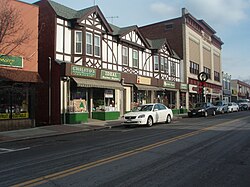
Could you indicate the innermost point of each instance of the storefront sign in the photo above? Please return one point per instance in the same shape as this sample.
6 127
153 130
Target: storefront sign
83 71
143 80
109 75
12 61
169 84
184 86
4 116
20 115
108 93
193 88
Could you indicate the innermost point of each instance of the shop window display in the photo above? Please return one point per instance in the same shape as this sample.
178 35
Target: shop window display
78 100
14 103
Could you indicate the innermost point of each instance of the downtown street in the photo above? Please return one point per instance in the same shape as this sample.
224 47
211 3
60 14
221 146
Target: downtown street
212 151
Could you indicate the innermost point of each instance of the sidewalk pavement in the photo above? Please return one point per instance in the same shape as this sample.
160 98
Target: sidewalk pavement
55 130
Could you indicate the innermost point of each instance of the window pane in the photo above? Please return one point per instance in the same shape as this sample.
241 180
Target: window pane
89 44
78 42
156 63
135 58
97 46
125 55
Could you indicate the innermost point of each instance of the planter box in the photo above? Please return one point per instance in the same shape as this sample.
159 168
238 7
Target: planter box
75 118
106 115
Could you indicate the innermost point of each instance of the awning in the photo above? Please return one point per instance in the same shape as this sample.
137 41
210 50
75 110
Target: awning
145 87
91 83
19 76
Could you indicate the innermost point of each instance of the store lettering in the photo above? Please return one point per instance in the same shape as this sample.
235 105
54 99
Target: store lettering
11 61
82 71
108 75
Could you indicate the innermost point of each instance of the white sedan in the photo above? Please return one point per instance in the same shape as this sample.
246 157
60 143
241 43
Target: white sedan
233 107
148 114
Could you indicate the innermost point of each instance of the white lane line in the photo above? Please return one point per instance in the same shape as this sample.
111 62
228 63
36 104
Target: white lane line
4 150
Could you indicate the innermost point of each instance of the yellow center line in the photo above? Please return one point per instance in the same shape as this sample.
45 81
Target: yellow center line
57 175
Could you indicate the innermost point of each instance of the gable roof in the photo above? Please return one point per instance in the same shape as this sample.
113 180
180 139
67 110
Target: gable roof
122 31
158 43
79 15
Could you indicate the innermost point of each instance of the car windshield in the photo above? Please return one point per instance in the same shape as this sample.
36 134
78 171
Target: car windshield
200 105
218 104
143 108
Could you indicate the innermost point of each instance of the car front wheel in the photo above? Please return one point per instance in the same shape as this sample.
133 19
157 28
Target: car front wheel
213 113
205 114
149 121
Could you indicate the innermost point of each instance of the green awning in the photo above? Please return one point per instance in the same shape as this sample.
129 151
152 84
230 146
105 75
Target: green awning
92 83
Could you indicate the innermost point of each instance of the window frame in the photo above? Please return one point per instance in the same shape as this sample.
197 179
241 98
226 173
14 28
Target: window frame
90 44
124 48
156 56
135 59
99 47
78 42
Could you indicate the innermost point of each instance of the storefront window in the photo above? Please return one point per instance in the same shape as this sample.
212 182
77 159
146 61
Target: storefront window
78 100
167 98
14 103
104 100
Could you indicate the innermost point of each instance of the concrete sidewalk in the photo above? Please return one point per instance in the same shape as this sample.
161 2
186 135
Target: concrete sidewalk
55 130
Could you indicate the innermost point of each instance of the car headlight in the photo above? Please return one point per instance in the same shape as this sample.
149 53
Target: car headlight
201 110
141 116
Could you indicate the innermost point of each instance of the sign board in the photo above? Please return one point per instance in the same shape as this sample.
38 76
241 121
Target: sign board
83 71
11 61
169 84
108 93
143 80
184 86
109 75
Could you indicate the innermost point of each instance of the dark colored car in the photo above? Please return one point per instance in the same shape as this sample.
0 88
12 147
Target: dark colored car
202 109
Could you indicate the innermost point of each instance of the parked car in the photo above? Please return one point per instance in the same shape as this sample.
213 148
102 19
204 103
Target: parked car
202 109
148 114
222 107
233 107
244 104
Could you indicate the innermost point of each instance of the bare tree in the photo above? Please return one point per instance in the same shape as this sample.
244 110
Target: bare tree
12 31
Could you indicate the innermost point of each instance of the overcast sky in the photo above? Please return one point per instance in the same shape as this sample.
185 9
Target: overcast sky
229 18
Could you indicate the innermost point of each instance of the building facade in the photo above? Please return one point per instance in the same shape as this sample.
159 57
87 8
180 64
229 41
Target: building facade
19 70
239 90
93 69
197 45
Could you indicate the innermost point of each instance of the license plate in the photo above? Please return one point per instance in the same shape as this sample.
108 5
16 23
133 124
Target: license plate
194 113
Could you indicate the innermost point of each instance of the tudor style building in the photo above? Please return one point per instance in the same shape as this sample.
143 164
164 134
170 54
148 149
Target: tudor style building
19 68
196 43
93 69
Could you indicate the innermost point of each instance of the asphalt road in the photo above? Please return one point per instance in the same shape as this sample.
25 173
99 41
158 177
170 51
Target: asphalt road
212 151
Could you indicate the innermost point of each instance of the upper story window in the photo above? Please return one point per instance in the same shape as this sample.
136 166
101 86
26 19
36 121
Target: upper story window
216 76
208 72
162 64
166 65
124 55
78 42
156 63
194 68
135 58
89 43
97 44
173 68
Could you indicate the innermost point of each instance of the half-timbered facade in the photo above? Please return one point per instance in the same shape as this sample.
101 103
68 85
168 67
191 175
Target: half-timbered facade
98 70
